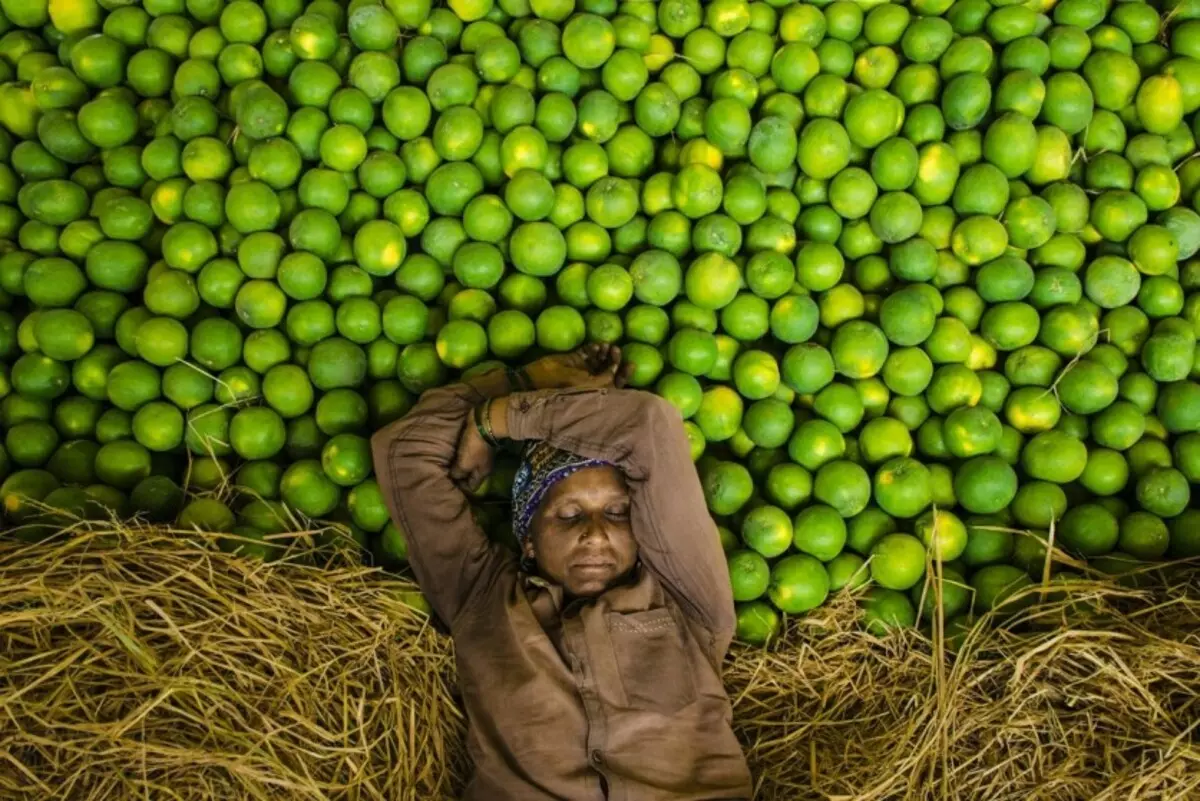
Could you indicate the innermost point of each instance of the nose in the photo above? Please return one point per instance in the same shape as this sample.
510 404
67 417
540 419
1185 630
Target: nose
596 531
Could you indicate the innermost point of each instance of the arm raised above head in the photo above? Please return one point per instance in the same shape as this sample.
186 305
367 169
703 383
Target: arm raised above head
413 457
643 436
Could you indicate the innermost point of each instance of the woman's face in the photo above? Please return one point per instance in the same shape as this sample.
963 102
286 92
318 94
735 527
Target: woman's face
580 537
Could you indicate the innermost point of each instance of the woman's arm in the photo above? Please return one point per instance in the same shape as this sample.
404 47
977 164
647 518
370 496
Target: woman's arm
642 435
413 458
424 460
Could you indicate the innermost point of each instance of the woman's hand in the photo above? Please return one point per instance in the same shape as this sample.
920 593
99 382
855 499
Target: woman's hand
472 458
594 366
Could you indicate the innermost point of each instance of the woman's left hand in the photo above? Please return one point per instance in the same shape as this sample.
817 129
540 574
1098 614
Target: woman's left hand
472 458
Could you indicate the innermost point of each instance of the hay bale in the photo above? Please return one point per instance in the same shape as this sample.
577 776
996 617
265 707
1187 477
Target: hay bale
143 663
1092 697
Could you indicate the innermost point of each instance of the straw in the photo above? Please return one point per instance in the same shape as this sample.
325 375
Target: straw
141 663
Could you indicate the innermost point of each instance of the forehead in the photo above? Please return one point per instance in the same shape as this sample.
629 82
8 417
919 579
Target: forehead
603 481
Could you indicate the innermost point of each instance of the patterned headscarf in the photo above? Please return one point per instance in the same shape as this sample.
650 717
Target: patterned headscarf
542 467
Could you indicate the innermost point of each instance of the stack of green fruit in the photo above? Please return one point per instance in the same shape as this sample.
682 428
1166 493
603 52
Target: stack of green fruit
918 275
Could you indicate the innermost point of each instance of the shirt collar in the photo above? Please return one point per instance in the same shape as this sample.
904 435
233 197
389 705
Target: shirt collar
636 595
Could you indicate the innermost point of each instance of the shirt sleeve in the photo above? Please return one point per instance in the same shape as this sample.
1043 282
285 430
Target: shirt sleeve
447 550
643 436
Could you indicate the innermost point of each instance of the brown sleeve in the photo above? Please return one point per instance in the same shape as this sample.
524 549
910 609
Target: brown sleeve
447 550
643 435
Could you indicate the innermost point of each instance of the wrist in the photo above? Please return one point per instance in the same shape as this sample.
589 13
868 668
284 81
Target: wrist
537 376
481 418
497 413
519 379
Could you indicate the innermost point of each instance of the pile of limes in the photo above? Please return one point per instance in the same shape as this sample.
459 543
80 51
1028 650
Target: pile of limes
918 275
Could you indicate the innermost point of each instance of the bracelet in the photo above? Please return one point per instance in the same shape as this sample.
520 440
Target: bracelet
483 422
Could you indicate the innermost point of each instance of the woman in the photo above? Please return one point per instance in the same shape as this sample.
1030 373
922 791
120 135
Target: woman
589 669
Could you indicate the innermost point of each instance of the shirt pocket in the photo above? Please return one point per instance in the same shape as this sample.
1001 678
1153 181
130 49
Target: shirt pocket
652 660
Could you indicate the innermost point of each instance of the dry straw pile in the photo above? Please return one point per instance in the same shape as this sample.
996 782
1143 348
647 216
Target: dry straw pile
142 664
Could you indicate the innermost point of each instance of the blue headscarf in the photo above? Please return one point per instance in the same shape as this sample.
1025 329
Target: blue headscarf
542 466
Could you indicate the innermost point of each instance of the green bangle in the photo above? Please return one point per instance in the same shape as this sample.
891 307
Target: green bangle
483 423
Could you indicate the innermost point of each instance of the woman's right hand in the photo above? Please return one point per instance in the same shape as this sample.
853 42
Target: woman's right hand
594 366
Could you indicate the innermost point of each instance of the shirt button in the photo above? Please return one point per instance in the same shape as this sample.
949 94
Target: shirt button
597 758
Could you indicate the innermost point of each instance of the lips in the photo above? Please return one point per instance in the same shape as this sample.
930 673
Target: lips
593 566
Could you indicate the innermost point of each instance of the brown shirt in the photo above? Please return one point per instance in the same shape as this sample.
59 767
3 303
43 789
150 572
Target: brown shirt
619 697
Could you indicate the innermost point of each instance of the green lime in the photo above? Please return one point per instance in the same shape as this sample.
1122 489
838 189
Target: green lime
985 484
995 585
756 374
691 351
1143 535
560 328
1089 529
794 318
306 488
720 413
727 486
897 561
257 433
798 583
768 423
767 530
749 574
757 622
843 485
1164 492
820 532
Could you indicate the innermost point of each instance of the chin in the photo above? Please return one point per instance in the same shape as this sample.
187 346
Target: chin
590 586
588 589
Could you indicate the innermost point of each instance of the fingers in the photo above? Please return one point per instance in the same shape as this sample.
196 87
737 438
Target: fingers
604 358
469 476
599 364
594 356
462 467
613 355
604 366
615 367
